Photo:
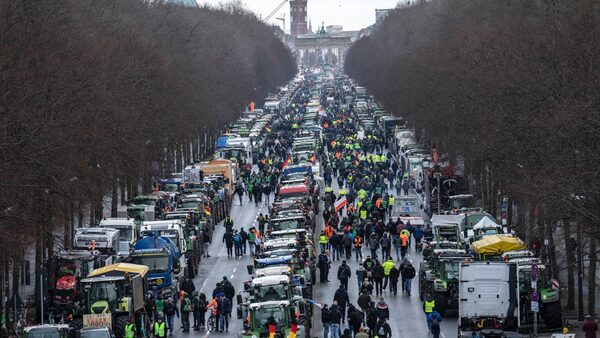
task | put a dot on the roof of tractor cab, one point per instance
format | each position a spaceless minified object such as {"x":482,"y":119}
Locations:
{"x":270,"y":280}
{"x":273,"y":270}
{"x":272,"y":303}
{"x":120,"y":269}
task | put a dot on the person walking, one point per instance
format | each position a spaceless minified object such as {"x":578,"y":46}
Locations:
{"x":324,"y":264}
{"x":394,"y":276}
{"x":323,"y":241}
{"x":382,"y":328}
{"x":170,"y":311}
{"x":347,"y":244}
{"x":344,"y":273}
{"x":186,"y":308}
{"x":433,"y":322}
{"x":383,"y":311}
{"x":196,"y":310}
{"x":336,"y":245}
{"x":228,"y":240}
{"x":342,"y":300}
{"x":361,"y":273}
{"x":387,"y":267}
{"x":261,"y":223}
{"x":224,"y":305}
{"x":363,"y":301}
{"x":378,"y":273}
{"x":335,"y":316}
{"x":373,"y":245}
{"x":385,"y":244}
{"x":408,"y":273}
{"x":237,"y":242}
{"x":355,"y":319}
{"x":252,"y":240}
{"x":404,"y":243}
{"x":358,"y":243}
{"x":428,"y":307}
{"x":159,"y":328}
{"x":590,"y":326}
{"x":363,"y":333}
{"x":325,"y":320}
{"x":239,"y":190}
{"x":206,"y":240}
{"x":244,"y":235}
{"x":129,"y":329}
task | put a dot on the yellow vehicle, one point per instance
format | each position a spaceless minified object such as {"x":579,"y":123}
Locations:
{"x":111,"y":295}
{"x":494,"y":246}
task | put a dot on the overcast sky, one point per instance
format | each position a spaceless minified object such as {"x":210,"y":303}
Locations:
{"x":352,"y":14}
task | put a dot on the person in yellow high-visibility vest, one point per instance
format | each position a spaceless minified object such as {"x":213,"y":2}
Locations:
{"x":428,"y":307}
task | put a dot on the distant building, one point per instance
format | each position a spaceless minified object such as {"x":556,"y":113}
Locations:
{"x":298,"y":18}
{"x":323,"y":47}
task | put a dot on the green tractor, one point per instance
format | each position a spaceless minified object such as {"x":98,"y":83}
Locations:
{"x":111,"y":295}
{"x":277,"y":317}
{"x":548,"y":290}
{"x":438,"y":277}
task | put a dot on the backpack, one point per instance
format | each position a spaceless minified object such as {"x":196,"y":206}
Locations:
{"x":410,"y":271}
{"x":371,"y":315}
{"x":383,"y":330}
{"x":237,"y":238}
{"x":322,"y":259}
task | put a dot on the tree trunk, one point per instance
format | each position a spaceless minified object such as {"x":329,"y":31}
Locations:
{"x":570,"y":247}
{"x":114,"y":201}
{"x":551,"y":250}
{"x":178,"y":158}
{"x":592,"y":277}
{"x":123,"y":189}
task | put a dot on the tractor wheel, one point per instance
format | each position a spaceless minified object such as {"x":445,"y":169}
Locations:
{"x":553,"y":315}
{"x":441,"y":301}
{"x":76,"y":324}
{"x":426,"y":289}
{"x":119,"y":326}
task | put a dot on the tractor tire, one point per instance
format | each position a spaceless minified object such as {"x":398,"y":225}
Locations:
{"x":441,"y":301}
{"x":76,"y":324}
{"x":552,"y":315}
{"x":119,"y":326}
{"x":426,"y":289}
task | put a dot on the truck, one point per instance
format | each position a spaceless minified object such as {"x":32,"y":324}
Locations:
{"x":174,"y":230}
{"x":102,"y":240}
{"x":128,"y":233}
{"x":111,"y":295}
{"x":161,"y":256}
{"x":489,"y":302}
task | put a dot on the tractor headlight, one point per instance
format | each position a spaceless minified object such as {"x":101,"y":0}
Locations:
{"x":440,"y":285}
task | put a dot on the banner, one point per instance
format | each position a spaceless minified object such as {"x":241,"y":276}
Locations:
{"x":97,"y":320}
{"x":191,"y":175}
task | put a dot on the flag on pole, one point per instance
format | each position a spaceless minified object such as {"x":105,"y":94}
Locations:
{"x":287,"y":161}
{"x":339,"y":204}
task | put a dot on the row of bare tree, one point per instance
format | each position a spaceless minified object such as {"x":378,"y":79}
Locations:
{"x":102,"y":97}
{"x":514,"y":87}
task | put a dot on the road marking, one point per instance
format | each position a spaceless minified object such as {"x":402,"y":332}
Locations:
{"x":235,"y":268}
{"x":231,"y":277}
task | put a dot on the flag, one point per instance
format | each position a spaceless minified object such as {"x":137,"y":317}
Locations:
{"x":287,"y":161}
{"x":293,"y":331}
{"x":271,"y":330}
{"x":312,"y":301}
{"x":339,"y":204}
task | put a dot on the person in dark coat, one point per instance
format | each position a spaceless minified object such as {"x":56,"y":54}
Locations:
{"x":355,"y":318}
{"x":228,"y":289}
{"x":341,"y":297}
{"x":589,"y":327}
{"x":188,"y":286}
{"x":344,"y":274}
{"x":335,"y":316}
{"x":394,"y":277}
{"x":324,"y":263}
{"x":325,"y":320}
{"x":378,"y":277}
{"x":228,"y":240}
